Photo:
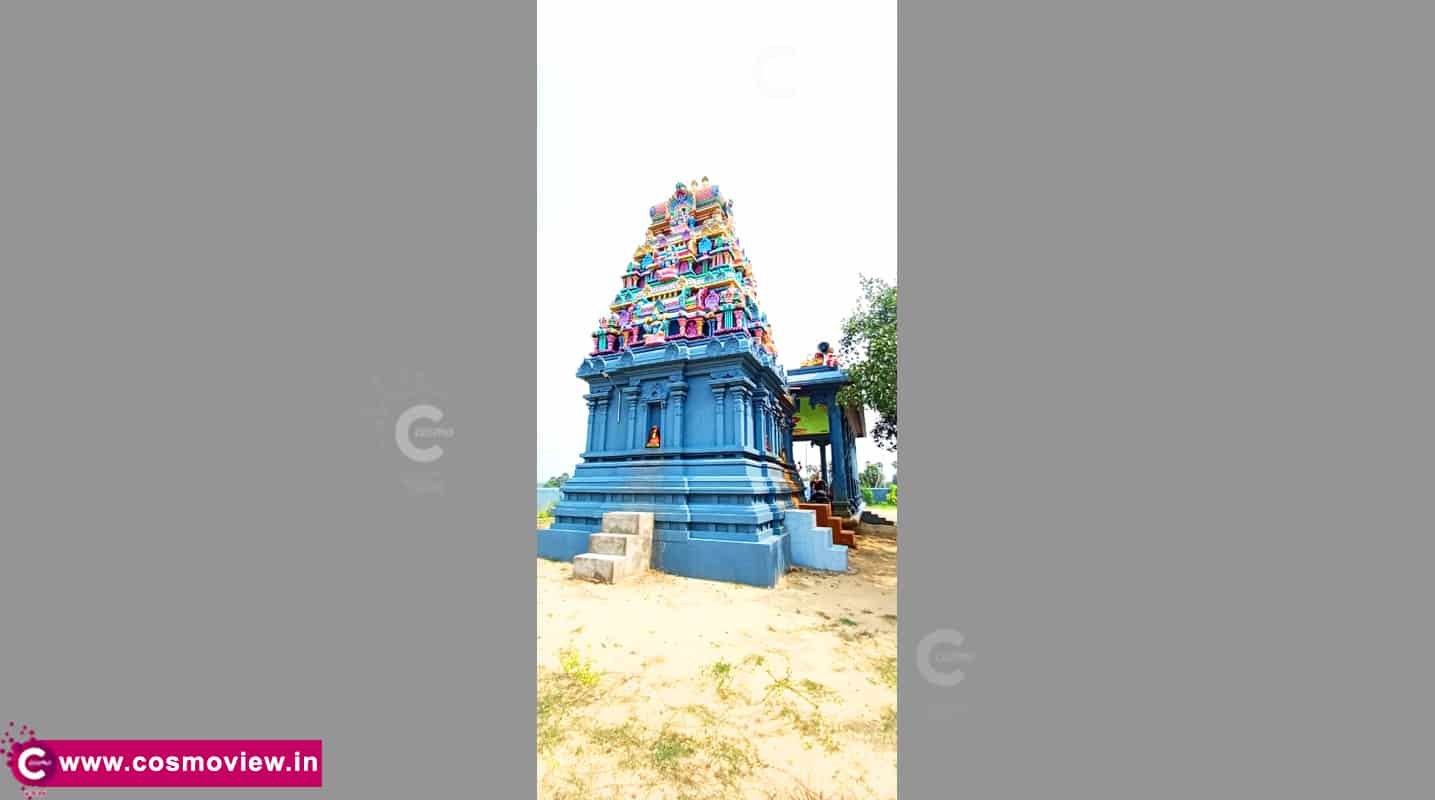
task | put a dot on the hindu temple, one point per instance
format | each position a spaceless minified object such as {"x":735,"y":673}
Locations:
{"x":690,"y":416}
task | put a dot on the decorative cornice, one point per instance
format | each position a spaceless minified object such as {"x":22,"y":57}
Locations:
{"x":732,"y":349}
{"x":732,"y":378}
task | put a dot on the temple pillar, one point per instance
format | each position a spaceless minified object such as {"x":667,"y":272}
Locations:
{"x":719,"y":429}
{"x":769,"y":445}
{"x":679,"y":395}
{"x":739,"y":404}
{"x":822,"y":458}
{"x":791,"y":444}
{"x":840,"y":473}
{"x":592,"y":422}
{"x":855,"y":495}
{"x":748,"y":433}
{"x":787,"y":441}
{"x":735,"y":436}
{"x":759,"y":420}
{"x":754,"y":410}
{"x":632,"y":433}
{"x":600,"y":436}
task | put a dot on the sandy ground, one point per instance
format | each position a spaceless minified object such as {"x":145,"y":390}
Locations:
{"x":667,"y":687}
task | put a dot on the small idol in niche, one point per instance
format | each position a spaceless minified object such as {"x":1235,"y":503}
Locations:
{"x":654,"y":440}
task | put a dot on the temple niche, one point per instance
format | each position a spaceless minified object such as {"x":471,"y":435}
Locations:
{"x":689,"y":412}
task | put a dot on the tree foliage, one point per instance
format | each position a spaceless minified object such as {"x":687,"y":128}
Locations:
{"x":871,"y":476}
{"x":556,"y":481}
{"x":869,"y":354}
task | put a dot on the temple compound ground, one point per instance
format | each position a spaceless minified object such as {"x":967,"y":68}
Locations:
{"x":673,"y":687}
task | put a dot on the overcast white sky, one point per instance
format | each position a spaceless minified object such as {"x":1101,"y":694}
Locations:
{"x":790,"y":107}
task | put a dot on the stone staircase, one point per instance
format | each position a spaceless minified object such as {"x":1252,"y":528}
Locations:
{"x":623,"y":547}
{"x":811,"y":544}
{"x":841,"y":529}
{"x":875,"y":519}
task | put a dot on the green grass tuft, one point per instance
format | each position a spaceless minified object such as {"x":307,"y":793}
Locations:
{"x":886,"y":669}
{"x":578,"y":668}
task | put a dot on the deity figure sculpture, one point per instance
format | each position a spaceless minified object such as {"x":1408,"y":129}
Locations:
{"x":823,"y":357}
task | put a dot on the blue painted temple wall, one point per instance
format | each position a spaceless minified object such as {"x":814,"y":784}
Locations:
{"x":722,"y":478}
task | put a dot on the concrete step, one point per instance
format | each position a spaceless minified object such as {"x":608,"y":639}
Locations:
{"x":802,"y":519}
{"x":615,"y":544}
{"x":823,"y":511}
{"x":602,"y":567}
{"x":812,"y":545}
{"x":636,"y":523}
{"x":623,"y":547}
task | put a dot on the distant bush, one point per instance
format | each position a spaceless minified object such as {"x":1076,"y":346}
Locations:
{"x":867,"y":495}
{"x":892,"y":495}
{"x":547,"y":512}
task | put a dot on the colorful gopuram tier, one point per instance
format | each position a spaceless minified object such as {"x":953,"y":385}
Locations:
{"x":689,"y":415}
{"x":688,"y":280}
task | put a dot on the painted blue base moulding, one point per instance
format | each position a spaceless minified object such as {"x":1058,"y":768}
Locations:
{"x":720,"y":479}
{"x":719,"y":518}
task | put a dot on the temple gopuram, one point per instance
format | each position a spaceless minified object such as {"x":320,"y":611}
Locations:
{"x":690,"y":416}
{"x":688,"y":280}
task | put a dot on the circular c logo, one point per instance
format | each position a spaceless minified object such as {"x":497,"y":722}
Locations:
{"x":34,"y":764}
{"x":764,"y":84}
{"x":933,"y":669}
{"x":403,"y":433}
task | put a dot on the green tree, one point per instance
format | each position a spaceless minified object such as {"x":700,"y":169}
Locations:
{"x":872,"y":476}
{"x":556,"y":481}
{"x":869,"y":354}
